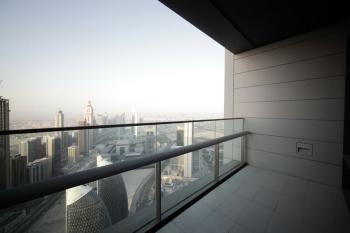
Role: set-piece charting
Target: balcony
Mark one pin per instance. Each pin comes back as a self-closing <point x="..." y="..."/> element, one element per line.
<point x="258" y="200"/>
<point x="154" y="192"/>
<point x="276" y="163"/>
<point x="119" y="187"/>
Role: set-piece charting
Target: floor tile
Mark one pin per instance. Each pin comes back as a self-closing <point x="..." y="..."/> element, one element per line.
<point x="233" y="207"/>
<point x="295" y="187"/>
<point x="215" y="223"/>
<point x="255" y="217"/>
<point x="169" y="228"/>
<point x="290" y="206"/>
<point x="341" y="212"/>
<point x="248" y="191"/>
<point x="282" y="204"/>
<point x="189" y="220"/>
<point x="318" y="217"/>
<point x="267" y="197"/>
<point x="240" y="229"/>
<point x="275" y="181"/>
<point x="283" y="223"/>
<point x="231" y="185"/>
<point x="215" y="198"/>
<point x="320" y="195"/>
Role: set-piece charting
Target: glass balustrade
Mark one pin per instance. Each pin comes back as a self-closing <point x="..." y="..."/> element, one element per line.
<point x="120" y="203"/>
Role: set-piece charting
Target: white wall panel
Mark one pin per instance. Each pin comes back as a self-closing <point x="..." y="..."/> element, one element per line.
<point x="327" y="131"/>
<point x="332" y="109"/>
<point x="326" y="66"/>
<point x="308" y="49"/>
<point x="311" y="170"/>
<point x="293" y="91"/>
<point x="322" y="151"/>
<point x="308" y="89"/>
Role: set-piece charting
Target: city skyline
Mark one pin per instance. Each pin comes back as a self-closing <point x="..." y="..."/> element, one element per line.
<point x="67" y="59"/>
<point x="36" y="158"/>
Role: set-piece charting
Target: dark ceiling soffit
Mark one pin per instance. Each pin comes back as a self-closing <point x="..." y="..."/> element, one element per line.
<point x="207" y="18"/>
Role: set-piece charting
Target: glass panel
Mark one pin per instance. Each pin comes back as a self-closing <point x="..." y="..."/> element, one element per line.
<point x="179" y="178"/>
<point x="125" y="200"/>
<point x="117" y="202"/>
<point x="170" y="136"/>
<point x="230" y="152"/>
<point x="39" y="156"/>
<point x="203" y="131"/>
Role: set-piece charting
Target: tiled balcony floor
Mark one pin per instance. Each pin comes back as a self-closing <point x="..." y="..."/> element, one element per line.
<point x="256" y="200"/>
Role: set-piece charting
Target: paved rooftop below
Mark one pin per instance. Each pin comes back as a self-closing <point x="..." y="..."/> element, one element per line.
<point x="256" y="200"/>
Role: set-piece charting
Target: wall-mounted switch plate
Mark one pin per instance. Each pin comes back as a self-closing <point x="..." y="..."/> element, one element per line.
<point x="304" y="149"/>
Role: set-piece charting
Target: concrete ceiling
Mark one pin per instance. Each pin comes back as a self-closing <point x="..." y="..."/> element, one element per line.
<point x="243" y="25"/>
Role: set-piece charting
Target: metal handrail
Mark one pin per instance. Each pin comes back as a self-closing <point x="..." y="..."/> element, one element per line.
<point x="29" y="192"/>
<point x="54" y="129"/>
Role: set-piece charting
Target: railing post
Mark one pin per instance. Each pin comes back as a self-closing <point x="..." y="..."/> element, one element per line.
<point x="243" y="145"/>
<point x="216" y="162"/>
<point x="158" y="192"/>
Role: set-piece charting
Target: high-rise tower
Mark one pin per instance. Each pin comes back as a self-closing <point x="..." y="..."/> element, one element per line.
<point x="73" y="154"/>
<point x="59" y="119"/>
<point x="83" y="138"/>
<point x="4" y="144"/>
<point x="89" y="114"/>
<point x="31" y="148"/>
<point x="134" y="121"/>
<point x="18" y="170"/>
<point x="184" y="137"/>
<point x="53" y="150"/>
<point x="90" y="120"/>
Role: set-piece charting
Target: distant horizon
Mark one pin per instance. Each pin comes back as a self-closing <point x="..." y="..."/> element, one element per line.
<point x="110" y="114"/>
<point x="121" y="55"/>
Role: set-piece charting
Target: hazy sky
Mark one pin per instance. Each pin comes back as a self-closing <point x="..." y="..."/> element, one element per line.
<point x="58" y="54"/>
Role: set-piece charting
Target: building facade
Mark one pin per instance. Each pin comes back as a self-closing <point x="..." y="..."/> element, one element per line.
<point x="38" y="170"/>
<point x="18" y="167"/>
<point x="4" y="144"/>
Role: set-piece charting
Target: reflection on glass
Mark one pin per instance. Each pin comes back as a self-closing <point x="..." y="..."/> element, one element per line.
<point x="116" y="202"/>
<point x="124" y="200"/>
<point x="184" y="175"/>
<point x="230" y="152"/>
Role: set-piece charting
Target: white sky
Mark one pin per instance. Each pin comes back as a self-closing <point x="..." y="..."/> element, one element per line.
<point x="120" y="54"/>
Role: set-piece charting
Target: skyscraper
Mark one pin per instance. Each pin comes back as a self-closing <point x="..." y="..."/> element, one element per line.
<point x="73" y="154"/>
<point x="31" y="148"/>
<point x="89" y="114"/>
<point x="59" y="119"/>
<point x="150" y="143"/>
<point x="90" y="120"/>
<point x="184" y="138"/>
<point x="38" y="170"/>
<point x="18" y="165"/>
<point x="83" y="138"/>
<point x="134" y="121"/>
<point x="54" y="153"/>
<point x="4" y="144"/>
<point x="180" y="137"/>
<point x="121" y="120"/>
<point x="64" y="138"/>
